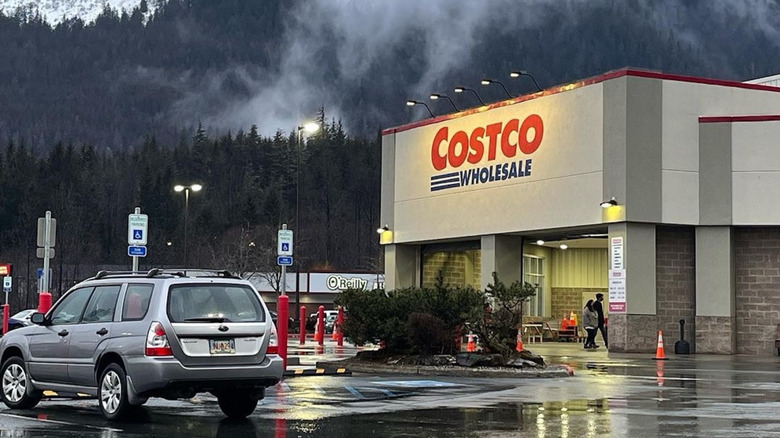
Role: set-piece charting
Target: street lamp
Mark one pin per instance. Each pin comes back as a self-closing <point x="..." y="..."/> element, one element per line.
<point x="488" y="81"/>
<point x="462" y="89"/>
<point x="186" y="190"/>
<point x="308" y="127"/>
<point x="518" y="73"/>
<point x="436" y="96"/>
<point x="417" y="102"/>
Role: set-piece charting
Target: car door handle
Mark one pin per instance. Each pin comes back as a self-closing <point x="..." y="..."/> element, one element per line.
<point x="102" y="331"/>
<point x="63" y="333"/>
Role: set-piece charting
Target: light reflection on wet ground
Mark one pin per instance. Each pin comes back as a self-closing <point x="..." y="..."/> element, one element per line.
<point x="618" y="396"/>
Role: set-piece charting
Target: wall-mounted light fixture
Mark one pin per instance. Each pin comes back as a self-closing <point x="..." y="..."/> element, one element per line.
<point x="518" y="73"/>
<point x="437" y="96"/>
<point x="462" y="89"/>
<point x="563" y="246"/>
<point x="540" y="242"/>
<point x="417" y="102"/>
<point x="381" y="230"/>
<point x="488" y="81"/>
<point x="611" y="203"/>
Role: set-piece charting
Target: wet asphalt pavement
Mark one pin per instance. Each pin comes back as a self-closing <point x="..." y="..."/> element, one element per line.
<point x="609" y="396"/>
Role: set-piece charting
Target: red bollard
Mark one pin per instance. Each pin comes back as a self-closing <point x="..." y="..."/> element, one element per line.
<point x="44" y="302"/>
<point x="321" y="324"/>
<point x="6" y="316"/>
<point x="302" y="330"/>
<point x="339" y="326"/>
<point x="283" y="312"/>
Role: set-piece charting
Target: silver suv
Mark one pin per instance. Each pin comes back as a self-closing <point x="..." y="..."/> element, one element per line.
<point x="126" y="336"/>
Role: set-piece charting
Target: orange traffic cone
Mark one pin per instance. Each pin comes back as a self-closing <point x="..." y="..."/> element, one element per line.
<point x="335" y="335"/>
<point x="659" y="351"/>
<point x="471" y="346"/>
<point x="317" y="334"/>
<point x="519" y="341"/>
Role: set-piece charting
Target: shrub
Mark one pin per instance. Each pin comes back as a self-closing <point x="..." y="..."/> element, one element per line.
<point x="429" y="335"/>
<point x="378" y="315"/>
<point x="428" y="320"/>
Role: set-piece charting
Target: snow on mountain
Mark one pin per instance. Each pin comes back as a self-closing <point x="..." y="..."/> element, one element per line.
<point x="54" y="11"/>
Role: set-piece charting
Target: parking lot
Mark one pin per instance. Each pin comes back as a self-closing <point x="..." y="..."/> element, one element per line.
<point x="610" y="395"/>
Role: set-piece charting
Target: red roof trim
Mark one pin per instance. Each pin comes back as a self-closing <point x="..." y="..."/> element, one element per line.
<point x="734" y="119"/>
<point x="578" y="84"/>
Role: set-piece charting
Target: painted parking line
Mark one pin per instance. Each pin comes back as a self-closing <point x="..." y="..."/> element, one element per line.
<point x="418" y="383"/>
<point x="64" y="423"/>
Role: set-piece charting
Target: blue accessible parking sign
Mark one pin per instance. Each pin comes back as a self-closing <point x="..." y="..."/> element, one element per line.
<point x="284" y="261"/>
<point x="136" y="251"/>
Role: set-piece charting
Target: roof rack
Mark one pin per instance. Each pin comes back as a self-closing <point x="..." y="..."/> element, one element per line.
<point x="155" y="272"/>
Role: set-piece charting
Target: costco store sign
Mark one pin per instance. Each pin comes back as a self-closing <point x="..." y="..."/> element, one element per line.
<point x="498" y="151"/>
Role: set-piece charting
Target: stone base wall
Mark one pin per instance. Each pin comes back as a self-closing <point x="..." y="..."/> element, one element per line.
<point x="757" y="289"/>
<point x="715" y="335"/>
<point x="633" y="334"/>
<point x="458" y="268"/>
<point x="675" y="282"/>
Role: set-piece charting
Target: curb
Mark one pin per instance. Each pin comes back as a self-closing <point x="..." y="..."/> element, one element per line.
<point x="318" y="372"/>
<point x="551" y="371"/>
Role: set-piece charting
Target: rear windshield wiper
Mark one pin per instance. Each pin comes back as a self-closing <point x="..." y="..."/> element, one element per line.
<point x="207" y="319"/>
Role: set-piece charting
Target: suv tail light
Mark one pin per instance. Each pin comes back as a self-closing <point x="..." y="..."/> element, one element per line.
<point x="273" y="342"/>
<point x="157" y="341"/>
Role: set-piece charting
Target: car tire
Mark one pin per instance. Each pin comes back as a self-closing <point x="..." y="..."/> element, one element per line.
<point x="112" y="393"/>
<point x="237" y="405"/>
<point x="14" y="383"/>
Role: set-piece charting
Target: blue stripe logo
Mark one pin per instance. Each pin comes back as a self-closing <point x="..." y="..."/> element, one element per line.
<point x="445" y="181"/>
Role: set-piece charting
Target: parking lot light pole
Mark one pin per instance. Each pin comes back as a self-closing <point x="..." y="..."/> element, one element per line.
<point x="310" y="127"/>
<point x="186" y="190"/>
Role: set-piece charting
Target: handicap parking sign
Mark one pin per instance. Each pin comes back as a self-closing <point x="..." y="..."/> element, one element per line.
<point x="285" y="246"/>
<point x="138" y="234"/>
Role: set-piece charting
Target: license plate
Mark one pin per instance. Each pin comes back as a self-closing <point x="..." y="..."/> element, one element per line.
<point x="222" y="346"/>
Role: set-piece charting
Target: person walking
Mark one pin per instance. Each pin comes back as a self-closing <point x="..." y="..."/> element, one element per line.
<point x="599" y="308"/>
<point x="590" y="321"/>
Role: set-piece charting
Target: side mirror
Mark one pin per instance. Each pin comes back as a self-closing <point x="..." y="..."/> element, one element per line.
<point x="38" y="318"/>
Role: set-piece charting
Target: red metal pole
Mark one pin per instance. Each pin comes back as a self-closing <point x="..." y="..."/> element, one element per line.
<point x="321" y="324"/>
<point x="283" y="312"/>
<point x="6" y="316"/>
<point x="44" y="302"/>
<point x="302" y="330"/>
<point x="339" y="325"/>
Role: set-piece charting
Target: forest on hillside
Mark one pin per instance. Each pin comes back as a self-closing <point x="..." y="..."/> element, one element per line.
<point x="249" y="188"/>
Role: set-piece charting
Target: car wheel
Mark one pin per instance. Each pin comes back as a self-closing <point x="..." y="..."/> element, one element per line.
<point x="15" y="383"/>
<point x="112" y="393"/>
<point x="237" y="405"/>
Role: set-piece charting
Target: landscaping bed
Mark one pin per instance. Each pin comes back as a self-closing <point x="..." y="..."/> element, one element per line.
<point x="462" y="365"/>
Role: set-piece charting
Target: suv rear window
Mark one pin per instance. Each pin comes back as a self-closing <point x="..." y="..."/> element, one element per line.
<point x="214" y="303"/>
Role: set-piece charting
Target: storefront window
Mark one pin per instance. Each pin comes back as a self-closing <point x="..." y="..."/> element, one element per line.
<point x="533" y="272"/>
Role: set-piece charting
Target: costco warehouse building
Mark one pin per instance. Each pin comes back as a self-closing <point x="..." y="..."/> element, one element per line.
<point x="691" y="167"/>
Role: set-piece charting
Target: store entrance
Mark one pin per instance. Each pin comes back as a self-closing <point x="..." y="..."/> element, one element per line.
<point x="570" y="268"/>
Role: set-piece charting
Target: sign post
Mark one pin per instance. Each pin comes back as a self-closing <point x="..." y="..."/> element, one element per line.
<point x="7" y="282"/>
<point x="47" y="236"/>
<point x="137" y="232"/>
<point x="285" y="252"/>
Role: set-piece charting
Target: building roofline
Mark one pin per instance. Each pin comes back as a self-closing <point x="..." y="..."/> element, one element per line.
<point x="634" y="72"/>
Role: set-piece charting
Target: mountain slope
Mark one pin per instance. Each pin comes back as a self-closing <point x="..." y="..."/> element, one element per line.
<point x="231" y="64"/>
